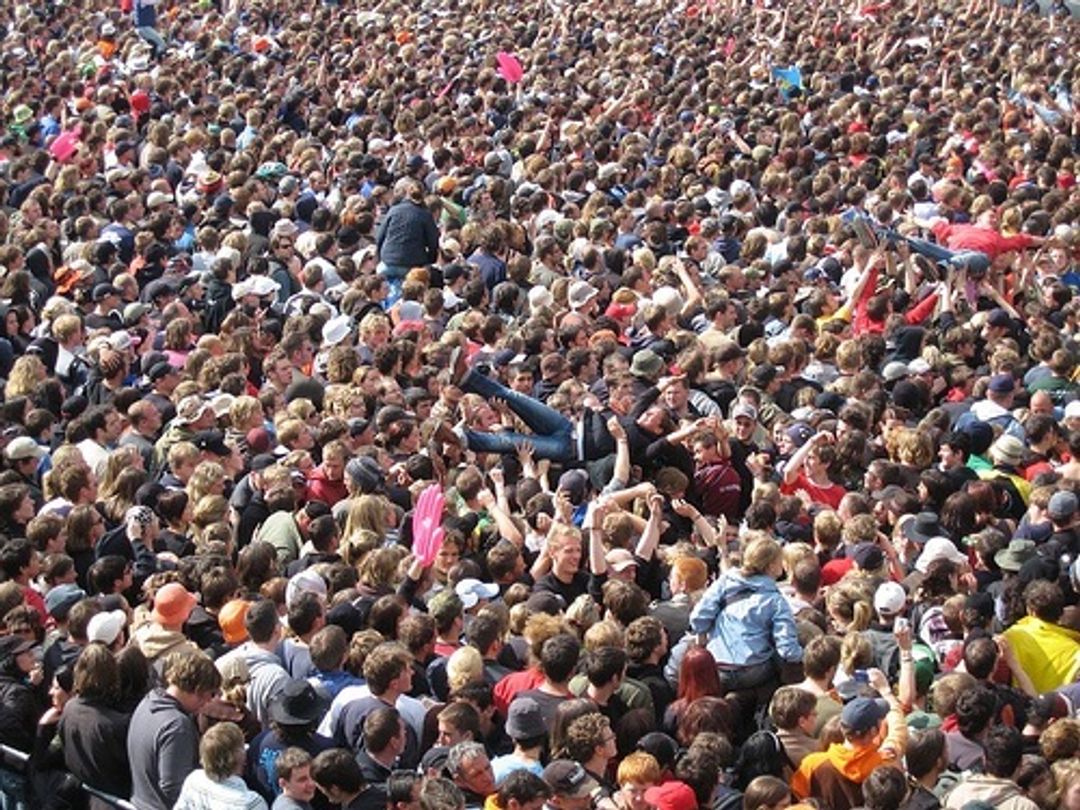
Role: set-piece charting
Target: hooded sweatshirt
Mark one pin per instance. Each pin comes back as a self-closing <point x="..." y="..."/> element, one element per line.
<point x="163" y="748"/>
<point x="268" y="678"/>
<point x="841" y="784"/>
<point x="156" y="642"/>
<point x="1002" y="794"/>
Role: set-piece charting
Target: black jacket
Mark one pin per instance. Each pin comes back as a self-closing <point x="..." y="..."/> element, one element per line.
<point x="20" y="710"/>
<point x="95" y="745"/>
<point x="408" y="236"/>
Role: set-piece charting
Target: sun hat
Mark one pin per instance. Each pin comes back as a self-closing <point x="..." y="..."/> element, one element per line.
<point x="173" y="604"/>
<point x="298" y="704"/>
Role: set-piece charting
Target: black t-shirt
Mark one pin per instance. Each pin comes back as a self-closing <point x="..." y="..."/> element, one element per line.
<point x="569" y="591"/>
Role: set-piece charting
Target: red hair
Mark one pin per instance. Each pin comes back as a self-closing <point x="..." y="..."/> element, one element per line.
<point x="697" y="676"/>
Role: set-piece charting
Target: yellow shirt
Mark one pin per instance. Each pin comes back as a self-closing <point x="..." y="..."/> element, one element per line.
<point x="1048" y="653"/>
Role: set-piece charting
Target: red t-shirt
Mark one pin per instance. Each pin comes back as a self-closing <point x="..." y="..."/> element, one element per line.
<point x="829" y="495"/>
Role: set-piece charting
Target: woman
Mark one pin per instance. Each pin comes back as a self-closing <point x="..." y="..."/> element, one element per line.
<point x="84" y="528"/>
<point x="697" y="678"/>
<point x="218" y="782"/>
<point x="93" y="730"/>
<point x="20" y="708"/>
<point x="746" y="623"/>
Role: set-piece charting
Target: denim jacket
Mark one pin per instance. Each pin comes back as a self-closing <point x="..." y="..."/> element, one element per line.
<point x="748" y="621"/>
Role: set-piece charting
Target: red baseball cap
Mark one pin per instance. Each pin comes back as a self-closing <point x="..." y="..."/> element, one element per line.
<point x="672" y="796"/>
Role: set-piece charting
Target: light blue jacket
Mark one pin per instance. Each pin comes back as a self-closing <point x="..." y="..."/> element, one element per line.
<point x="748" y="621"/>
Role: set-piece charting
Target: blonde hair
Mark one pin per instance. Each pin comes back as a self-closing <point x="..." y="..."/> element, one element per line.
<point x="759" y="556"/>
<point x="852" y="604"/>
<point x="464" y="666"/>
<point x="855" y="652"/>
<point x="25" y="377"/>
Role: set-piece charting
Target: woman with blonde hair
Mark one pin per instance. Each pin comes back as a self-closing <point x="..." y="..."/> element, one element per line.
<point x="850" y="607"/>
<point x="25" y="377"/>
<point x="367" y="513"/>
<point x="121" y="494"/>
<point x="218" y="783"/>
<point x="745" y="622"/>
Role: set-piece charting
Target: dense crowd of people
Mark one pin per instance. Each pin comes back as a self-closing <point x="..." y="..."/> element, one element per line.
<point x="539" y="406"/>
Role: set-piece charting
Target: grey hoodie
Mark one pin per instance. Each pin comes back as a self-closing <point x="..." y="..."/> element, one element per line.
<point x="1002" y="794"/>
<point x="268" y="678"/>
<point x="163" y="748"/>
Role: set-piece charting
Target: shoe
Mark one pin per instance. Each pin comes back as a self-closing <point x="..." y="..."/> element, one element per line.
<point x="459" y="365"/>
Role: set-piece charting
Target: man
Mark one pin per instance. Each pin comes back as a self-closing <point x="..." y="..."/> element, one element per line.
<point x="469" y="767"/>
<point x="605" y="669"/>
<point x="163" y="380"/>
<point x="794" y="713"/>
<point x="326" y="482"/>
<point x="23" y="455"/>
<point x="522" y="790"/>
<point x="716" y="481"/>
<point x="996" y="786"/>
<point x="268" y="676"/>
<point x="459" y="722"/>
<point x="102" y="425"/>
<point x="571" y="786"/>
<point x="590" y="740"/>
<point x="163" y="740"/>
<point x="836" y="775"/>
<point x="144" y="423"/>
<point x="388" y="672"/>
<point x="340" y="780"/>
<point x="384" y="742"/>
<point x="558" y="659"/>
<point x="996" y="408"/>
<point x="1048" y="652"/>
<point x="298" y="788"/>
<point x="525" y="726"/>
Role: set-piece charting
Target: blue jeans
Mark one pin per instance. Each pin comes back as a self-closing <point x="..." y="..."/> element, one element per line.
<point x="151" y="36"/>
<point x="13" y="790"/>
<point x="395" y="276"/>
<point x="554" y="434"/>
<point x="972" y="259"/>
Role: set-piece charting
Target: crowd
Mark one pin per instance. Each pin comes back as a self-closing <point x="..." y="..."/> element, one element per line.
<point x="539" y="406"/>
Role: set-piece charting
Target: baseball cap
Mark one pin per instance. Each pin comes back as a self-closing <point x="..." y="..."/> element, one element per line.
<point x="744" y="409"/>
<point x="23" y="447"/>
<point x="672" y="796"/>
<point x="863" y="714"/>
<point x="106" y="626"/>
<point x="889" y="599"/>
<point x="868" y="556"/>
<point x="305" y="581"/>
<point x="569" y="780"/>
<point x="211" y="441"/>
<point x="1062" y="506"/>
<point x="619" y="559"/>
<point x="59" y="600"/>
<point x="231" y="620"/>
<point x="471" y="591"/>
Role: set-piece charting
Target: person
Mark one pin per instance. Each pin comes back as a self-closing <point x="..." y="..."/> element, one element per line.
<point x="339" y="779"/>
<point x="1044" y="650"/>
<point x="20" y="709"/>
<point x="218" y="783"/>
<point x="1004" y="749"/>
<point x="298" y="788"/>
<point x="837" y="773"/>
<point x="163" y="740"/>
<point x="268" y="676"/>
<point x="525" y="726"/>
<point x="92" y="731"/>
<point x="469" y="767"/>
<point x="408" y="235"/>
<point x="742" y="619"/>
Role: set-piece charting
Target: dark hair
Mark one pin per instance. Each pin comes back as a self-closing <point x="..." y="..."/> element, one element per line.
<point x="885" y="788"/>
<point x="980" y="655"/>
<point x="380" y="728"/>
<point x="559" y="657"/>
<point x="975" y="709"/>
<point x="602" y="665"/>
<point x="337" y="768"/>
<point x="1003" y="747"/>
<point x="523" y="786"/>
<point x="105" y="572"/>
<point x="304" y="612"/>
<point x="261" y="621"/>
<point x="761" y="755"/>
<point x="924" y="750"/>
